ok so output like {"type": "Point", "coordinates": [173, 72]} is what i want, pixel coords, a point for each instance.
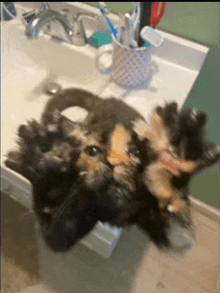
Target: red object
{"type": "Point", "coordinates": [155, 15]}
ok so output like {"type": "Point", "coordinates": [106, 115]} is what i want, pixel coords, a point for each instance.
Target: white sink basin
{"type": "Point", "coordinates": [27, 66]}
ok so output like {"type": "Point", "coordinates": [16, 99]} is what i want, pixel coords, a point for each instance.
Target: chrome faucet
{"type": "Point", "coordinates": [46, 16]}
{"type": "Point", "coordinates": [79, 36]}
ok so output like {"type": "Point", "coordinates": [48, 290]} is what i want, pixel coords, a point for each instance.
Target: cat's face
{"type": "Point", "coordinates": [116, 157]}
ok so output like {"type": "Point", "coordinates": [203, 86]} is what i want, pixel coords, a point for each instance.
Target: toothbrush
{"type": "Point", "coordinates": [136, 18]}
{"type": "Point", "coordinates": [129, 32]}
{"type": "Point", "coordinates": [104, 11]}
{"type": "Point", "coordinates": [121, 28]}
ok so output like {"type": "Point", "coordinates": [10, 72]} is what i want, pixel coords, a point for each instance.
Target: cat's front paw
{"type": "Point", "coordinates": [34, 136]}
{"type": "Point", "coordinates": [168, 113]}
{"type": "Point", "coordinates": [14, 161]}
{"type": "Point", "coordinates": [193, 120]}
{"type": "Point", "coordinates": [60, 158]}
{"type": "Point", "coordinates": [211, 154]}
{"type": "Point", "coordinates": [33, 130]}
{"type": "Point", "coordinates": [51, 120]}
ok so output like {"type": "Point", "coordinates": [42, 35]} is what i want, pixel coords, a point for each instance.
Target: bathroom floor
{"type": "Point", "coordinates": [141, 270]}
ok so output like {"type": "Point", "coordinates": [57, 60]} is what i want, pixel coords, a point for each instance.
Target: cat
{"type": "Point", "coordinates": [106, 180]}
{"type": "Point", "coordinates": [67, 208]}
{"type": "Point", "coordinates": [113, 118]}
{"type": "Point", "coordinates": [182, 150]}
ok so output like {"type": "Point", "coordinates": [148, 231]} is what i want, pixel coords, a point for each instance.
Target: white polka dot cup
{"type": "Point", "coordinates": [130, 67]}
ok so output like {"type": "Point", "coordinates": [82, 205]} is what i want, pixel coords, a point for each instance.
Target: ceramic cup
{"type": "Point", "coordinates": [130, 67]}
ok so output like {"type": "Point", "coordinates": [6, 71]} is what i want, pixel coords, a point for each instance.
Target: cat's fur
{"type": "Point", "coordinates": [98, 169]}
{"type": "Point", "coordinates": [112, 121]}
{"type": "Point", "coordinates": [107, 128]}
{"type": "Point", "coordinates": [67, 208]}
{"type": "Point", "coordinates": [182, 150]}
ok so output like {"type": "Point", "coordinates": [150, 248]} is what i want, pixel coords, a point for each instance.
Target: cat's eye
{"type": "Point", "coordinates": [92, 151]}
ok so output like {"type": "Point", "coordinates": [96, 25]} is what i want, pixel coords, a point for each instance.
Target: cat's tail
{"type": "Point", "coordinates": [68, 98]}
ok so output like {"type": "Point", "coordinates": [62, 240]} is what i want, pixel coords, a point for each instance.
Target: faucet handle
{"type": "Point", "coordinates": [66, 13]}
{"type": "Point", "coordinates": [46, 5]}
{"type": "Point", "coordinates": [27, 16]}
{"type": "Point", "coordinates": [79, 34]}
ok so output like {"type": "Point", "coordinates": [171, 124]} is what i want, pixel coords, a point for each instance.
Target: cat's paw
{"type": "Point", "coordinates": [33, 130]}
{"type": "Point", "coordinates": [34, 136]}
{"type": "Point", "coordinates": [14, 161]}
{"type": "Point", "coordinates": [211, 154]}
{"type": "Point", "coordinates": [199, 119]}
{"type": "Point", "coordinates": [192, 120]}
{"type": "Point", "coordinates": [168, 113]}
{"type": "Point", "coordinates": [60, 158]}
{"type": "Point", "coordinates": [40, 152]}
{"type": "Point", "coordinates": [51, 120]}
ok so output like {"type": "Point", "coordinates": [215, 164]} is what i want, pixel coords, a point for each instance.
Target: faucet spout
{"type": "Point", "coordinates": [44, 17]}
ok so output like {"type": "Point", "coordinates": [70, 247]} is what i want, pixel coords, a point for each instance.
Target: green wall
{"type": "Point", "coordinates": [199, 22]}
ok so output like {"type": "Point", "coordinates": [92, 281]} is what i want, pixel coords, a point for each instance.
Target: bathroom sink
{"type": "Point", "coordinates": [28, 65]}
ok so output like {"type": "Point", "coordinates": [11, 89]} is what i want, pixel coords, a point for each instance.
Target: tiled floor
{"type": "Point", "coordinates": [143, 269]}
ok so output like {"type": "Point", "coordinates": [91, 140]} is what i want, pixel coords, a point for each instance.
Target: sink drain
{"type": "Point", "coordinates": [53, 88]}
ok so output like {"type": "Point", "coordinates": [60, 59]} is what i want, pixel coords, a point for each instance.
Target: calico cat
{"type": "Point", "coordinates": [97, 169]}
{"type": "Point", "coordinates": [182, 150]}
{"type": "Point", "coordinates": [66, 207]}
{"type": "Point", "coordinates": [115, 124]}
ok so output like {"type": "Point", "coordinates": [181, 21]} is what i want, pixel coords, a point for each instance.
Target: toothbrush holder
{"type": "Point", "coordinates": [130, 67]}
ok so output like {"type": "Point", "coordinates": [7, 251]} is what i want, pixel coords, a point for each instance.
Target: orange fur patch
{"type": "Point", "coordinates": [160, 173]}
{"type": "Point", "coordinates": [120, 138]}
